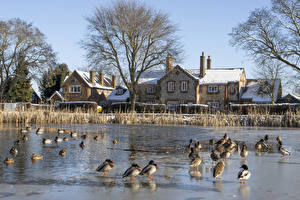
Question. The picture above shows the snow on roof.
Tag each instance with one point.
(35, 87)
(57, 93)
(218, 75)
(151, 77)
(251, 92)
(114, 97)
(295, 95)
(86, 77)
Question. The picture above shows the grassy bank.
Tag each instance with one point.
(290, 119)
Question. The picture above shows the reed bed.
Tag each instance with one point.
(289, 119)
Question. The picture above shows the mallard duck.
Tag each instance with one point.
(115, 141)
(221, 141)
(244, 151)
(47, 141)
(73, 134)
(36, 157)
(9, 161)
(28, 128)
(225, 154)
(60, 131)
(279, 140)
(198, 146)
(196, 162)
(62, 152)
(13, 151)
(39, 131)
(220, 148)
(283, 150)
(258, 145)
(17, 142)
(149, 169)
(58, 139)
(132, 171)
(67, 132)
(244, 174)
(190, 145)
(82, 145)
(218, 169)
(96, 138)
(214, 156)
(106, 166)
(24, 138)
(65, 138)
(22, 130)
(266, 138)
(225, 137)
(211, 142)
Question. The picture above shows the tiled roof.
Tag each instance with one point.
(86, 77)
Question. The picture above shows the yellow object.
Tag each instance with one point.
(99, 109)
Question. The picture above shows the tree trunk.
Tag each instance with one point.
(132, 99)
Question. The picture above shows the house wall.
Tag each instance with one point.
(178, 76)
(145, 97)
(219, 97)
(75, 79)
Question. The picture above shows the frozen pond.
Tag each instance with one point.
(74, 176)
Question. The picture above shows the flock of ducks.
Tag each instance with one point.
(105, 167)
(225, 147)
(220, 151)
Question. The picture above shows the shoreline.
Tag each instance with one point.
(288, 119)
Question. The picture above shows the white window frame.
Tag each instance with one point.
(171, 86)
(213, 89)
(150, 90)
(75, 88)
(184, 86)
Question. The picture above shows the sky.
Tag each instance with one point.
(204, 26)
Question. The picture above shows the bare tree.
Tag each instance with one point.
(21, 41)
(270, 74)
(131, 38)
(271, 34)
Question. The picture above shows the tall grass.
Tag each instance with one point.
(289, 119)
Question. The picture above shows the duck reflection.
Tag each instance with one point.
(108, 182)
(132, 185)
(219, 186)
(151, 184)
(195, 174)
(244, 191)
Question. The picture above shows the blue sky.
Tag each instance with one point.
(204, 26)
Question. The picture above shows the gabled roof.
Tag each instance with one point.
(151, 77)
(219, 75)
(181, 69)
(56, 93)
(86, 77)
(114, 97)
(251, 91)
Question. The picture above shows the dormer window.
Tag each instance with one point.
(213, 89)
(119, 91)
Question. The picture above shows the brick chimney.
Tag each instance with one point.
(113, 80)
(101, 77)
(208, 63)
(169, 63)
(202, 65)
(92, 77)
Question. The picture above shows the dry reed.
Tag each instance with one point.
(289, 119)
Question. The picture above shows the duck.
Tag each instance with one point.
(36, 157)
(225, 154)
(28, 128)
(278, 139)
(244, 151)
(214, 156)
(198, 146)
(221, 141)
(225, 137)
(191, 154)
(82, 145)
(47, 141)
(22, 130)
(258, 145)
(190, 145)
(24, 138)
(283, 150)
(60, 131)
(149, 169)
(58, 139)
(96, 138)
(67, 132)
(196, 162)
(211, 142)
(13, 151)
(39, 131)
(84, 137)
(244, 174)
(73, 134)
(17, 142)
(65, 139)
(115, 141)
(62, 153)
(105, 167)
(218, 169)
(132, 171)
(9, 161)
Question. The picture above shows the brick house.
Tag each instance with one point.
(84, 86)
(176, 85)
